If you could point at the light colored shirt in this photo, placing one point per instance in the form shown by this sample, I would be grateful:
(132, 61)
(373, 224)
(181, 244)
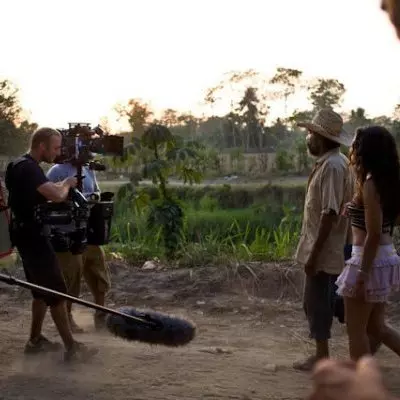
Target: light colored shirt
(330, 187)
(59, 172)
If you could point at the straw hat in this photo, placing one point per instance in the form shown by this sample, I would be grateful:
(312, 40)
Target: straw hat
(329, 124)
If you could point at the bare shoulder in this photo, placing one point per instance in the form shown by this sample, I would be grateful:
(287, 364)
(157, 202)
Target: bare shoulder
(369, 190)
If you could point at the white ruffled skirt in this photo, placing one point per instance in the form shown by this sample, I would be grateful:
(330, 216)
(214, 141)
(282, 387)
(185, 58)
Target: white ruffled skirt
(384, 278)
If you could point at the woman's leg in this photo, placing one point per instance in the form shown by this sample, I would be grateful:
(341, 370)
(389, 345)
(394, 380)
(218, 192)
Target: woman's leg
(374, 344)
(380, 329)
(357, 316)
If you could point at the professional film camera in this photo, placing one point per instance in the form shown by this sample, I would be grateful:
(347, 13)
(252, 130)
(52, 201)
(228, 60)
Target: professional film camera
(79, 221)
(80, 143)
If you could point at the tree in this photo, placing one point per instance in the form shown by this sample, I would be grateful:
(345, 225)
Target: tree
(284, 161)
(14, 128)
(105, 124)
(326, 93)
(357, 118)
(298, 116)
(169, 118)
(382, 120)
(303, 158)
(252, 119)
(396, 112)
(137, 113)
(358, 115)
(232, 84)
(278, 131)
(10, 109)
(167, 156)
(288, 79)
(188, 124)
(232, 130)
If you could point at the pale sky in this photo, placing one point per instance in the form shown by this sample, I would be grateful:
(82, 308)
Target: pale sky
(74, 60)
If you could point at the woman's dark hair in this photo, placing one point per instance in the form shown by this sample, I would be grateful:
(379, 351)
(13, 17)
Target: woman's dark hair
(374, 152)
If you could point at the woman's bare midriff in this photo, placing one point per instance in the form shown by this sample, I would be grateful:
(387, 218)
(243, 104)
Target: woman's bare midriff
(359, 237)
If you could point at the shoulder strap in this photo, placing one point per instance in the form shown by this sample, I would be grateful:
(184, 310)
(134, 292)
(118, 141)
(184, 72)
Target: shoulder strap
(8, 178)
(10, 167)
(17, 161)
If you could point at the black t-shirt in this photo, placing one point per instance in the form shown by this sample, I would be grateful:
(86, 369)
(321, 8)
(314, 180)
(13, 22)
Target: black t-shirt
(22, 182)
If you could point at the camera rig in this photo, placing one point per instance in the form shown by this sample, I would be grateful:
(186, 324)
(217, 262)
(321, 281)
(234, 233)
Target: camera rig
(80, 142)
(79, 221)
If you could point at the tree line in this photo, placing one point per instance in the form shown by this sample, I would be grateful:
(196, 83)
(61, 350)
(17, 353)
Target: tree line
(245, 124)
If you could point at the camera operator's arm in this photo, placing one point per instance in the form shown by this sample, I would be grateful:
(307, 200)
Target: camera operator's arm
(37, 180)
(60, 176)
(57, 192)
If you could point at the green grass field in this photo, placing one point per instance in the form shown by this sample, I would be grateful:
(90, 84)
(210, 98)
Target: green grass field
(290, 181)
(247, 223)
(111, 186)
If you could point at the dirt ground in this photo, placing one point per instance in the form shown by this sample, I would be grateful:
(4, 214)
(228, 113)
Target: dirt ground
(250, 329)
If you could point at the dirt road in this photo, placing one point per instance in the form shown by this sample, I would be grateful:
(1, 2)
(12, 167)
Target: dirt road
(244, 348)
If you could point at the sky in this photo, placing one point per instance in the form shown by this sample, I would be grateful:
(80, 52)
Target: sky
(74, 60)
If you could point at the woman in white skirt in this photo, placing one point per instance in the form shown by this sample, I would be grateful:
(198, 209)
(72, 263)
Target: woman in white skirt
(373, 271)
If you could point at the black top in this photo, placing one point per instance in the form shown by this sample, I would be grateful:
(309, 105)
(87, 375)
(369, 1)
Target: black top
(23, 177)
(357, 217)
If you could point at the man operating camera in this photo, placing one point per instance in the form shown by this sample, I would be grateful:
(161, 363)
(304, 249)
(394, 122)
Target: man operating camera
(29, 187)
(91, 264)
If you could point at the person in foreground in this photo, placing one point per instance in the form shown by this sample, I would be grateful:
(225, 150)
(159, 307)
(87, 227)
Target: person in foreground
(324, 229)
(28, 187)
(91, 264)
(348, 380)
(392, 8)
(373, 270)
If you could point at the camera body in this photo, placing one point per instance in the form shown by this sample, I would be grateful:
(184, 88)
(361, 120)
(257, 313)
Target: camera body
(80, 142)
(78, 222)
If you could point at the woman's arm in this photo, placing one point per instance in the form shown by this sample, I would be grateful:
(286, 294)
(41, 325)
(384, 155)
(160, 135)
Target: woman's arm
(373, 223)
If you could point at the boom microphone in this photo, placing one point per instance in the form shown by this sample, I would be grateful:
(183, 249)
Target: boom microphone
(148, 327)
(170, 331)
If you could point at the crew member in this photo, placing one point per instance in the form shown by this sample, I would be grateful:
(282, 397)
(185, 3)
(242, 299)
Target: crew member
(29, 187)
(91, 264)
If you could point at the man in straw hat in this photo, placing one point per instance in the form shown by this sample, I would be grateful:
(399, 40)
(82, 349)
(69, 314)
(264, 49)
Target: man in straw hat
(334, 379)
(324, 230)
